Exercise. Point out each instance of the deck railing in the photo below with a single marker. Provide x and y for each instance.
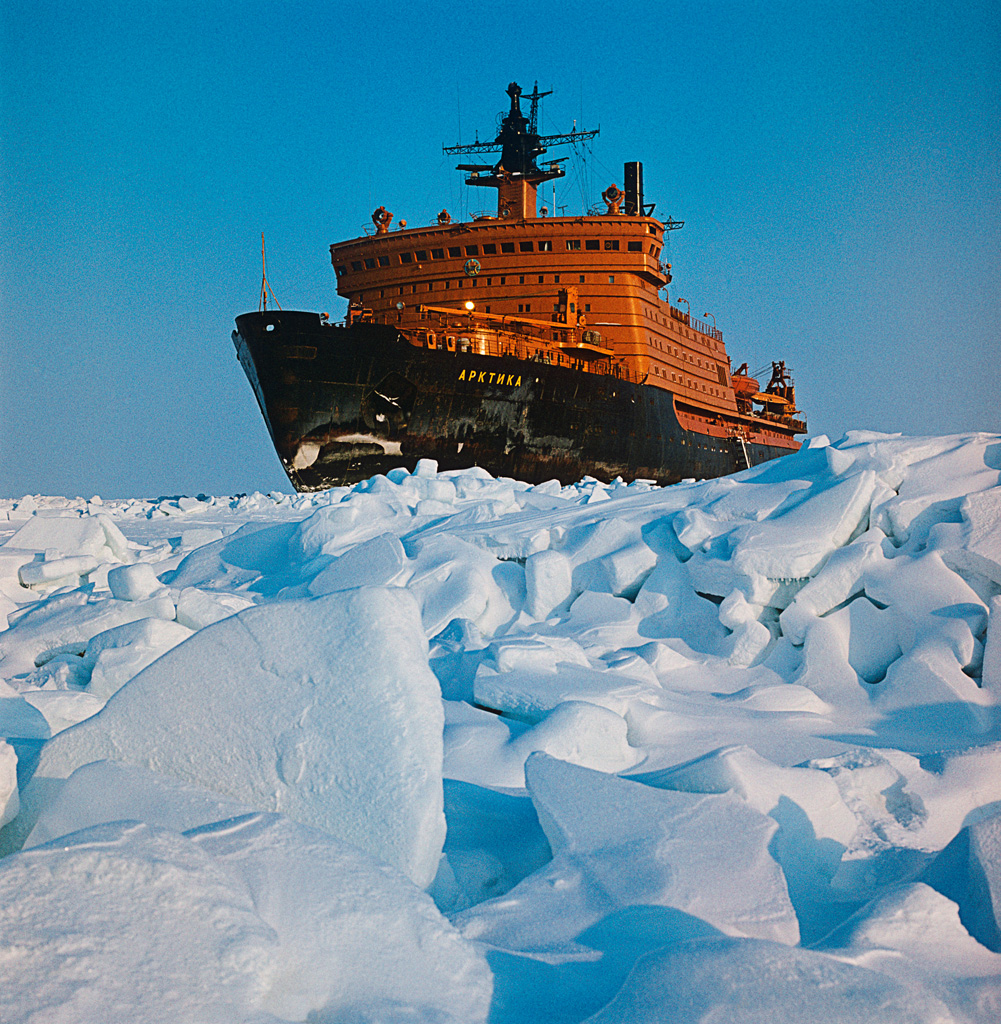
(699, 325)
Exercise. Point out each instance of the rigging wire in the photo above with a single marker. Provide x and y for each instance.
(262, 306)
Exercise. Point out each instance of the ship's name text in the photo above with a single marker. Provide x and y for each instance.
(483, 377)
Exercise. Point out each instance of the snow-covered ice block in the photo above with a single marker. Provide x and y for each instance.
(548, 583)
(125, 924)
(618, 844)
(376, 562)
(198, 537)
(119, 654)
(794, 544)
(908, 808)
(356, 940)
(325, 709)
(133, 582)
(530, 694)
(940, 473)
(484, 749)
(63, 708)
(815, 825)
(981, 548)
(757, 982)
(8, 783)
(842, 577)
(358, 517)
(991, 669)
(67, 622)
(985, 877)
(95, 535)
(452, 579)
(56, 572)
(18, 719)
(914, 934)
(106, 791)
(872, 634)
(620, 572)
(198, 608)
(670, 608)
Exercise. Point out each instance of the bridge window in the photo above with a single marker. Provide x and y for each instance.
(340, 271)
(472, 250)
(370, 264)
(437, 254)
(422, 255)
(490, 249)
(592, 243)
(383, 261)
(406, 257)
(573, 244)
(545, 246)
(525, 246)
(507, 246)
(542, 279)
(356, 264)
(635, 247)
(455, 250)
(611, 245)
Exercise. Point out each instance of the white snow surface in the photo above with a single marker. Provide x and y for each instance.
(443, 747)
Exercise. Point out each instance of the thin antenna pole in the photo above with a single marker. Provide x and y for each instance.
(263, 304)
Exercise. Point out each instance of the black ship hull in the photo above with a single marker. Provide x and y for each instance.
(344, 403)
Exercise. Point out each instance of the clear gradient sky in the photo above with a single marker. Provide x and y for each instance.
(836, 164)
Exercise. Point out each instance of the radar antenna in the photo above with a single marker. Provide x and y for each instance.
(533, 114)
(516, 175)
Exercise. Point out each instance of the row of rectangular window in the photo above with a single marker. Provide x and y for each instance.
(490, 249)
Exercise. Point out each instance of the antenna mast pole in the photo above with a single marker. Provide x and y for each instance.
(262, 306)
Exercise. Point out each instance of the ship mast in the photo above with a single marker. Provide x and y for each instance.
(516, 176)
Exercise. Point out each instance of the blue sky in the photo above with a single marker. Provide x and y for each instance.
(836, 164)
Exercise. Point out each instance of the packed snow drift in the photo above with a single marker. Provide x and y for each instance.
(448, 748)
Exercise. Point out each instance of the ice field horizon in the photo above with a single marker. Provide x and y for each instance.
(444, 747)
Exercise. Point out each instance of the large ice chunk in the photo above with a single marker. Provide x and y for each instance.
(324, 709)
(618, 844)
(95, 535)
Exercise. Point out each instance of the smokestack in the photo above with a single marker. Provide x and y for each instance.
(633, 174)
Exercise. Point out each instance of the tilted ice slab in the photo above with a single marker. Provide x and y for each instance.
(323, 709)
(914, 934)
(619, 844)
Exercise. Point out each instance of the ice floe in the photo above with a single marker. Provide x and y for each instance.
(445, 747)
